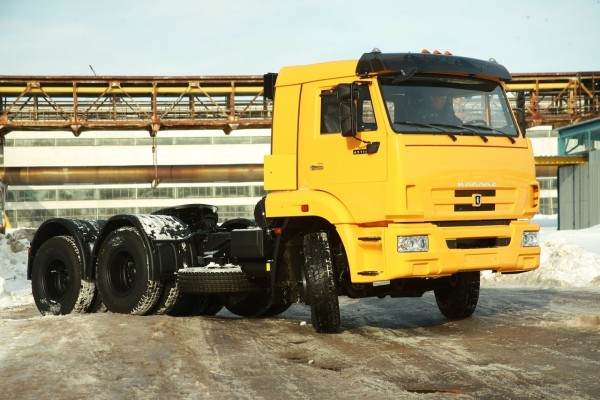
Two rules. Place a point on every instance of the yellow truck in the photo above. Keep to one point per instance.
(391, 175)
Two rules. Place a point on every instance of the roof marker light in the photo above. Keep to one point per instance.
(425, 51)
(436, 52)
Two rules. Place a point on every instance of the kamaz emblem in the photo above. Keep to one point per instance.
(476, 200)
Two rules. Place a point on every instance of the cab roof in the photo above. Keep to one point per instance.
(376, 63)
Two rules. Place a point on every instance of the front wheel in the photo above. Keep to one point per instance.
(56, 282)
(123, 274)
(459, 299)
(321, 290)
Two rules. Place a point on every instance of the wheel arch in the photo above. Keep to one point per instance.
(308, 203)
(84, 231)
(288, 258)
(164, 237)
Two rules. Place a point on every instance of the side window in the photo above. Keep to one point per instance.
(330, 113)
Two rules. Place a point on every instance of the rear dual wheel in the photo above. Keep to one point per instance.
(57, 284)
(123, 274)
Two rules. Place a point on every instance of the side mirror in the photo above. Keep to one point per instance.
(269, 85)
(520, 100)
(520, 112)
(347, 94)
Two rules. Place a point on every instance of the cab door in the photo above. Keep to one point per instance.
(342, 166)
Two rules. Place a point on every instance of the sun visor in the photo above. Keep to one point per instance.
(376, 63)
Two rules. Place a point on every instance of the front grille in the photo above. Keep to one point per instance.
(471, 192)
(479, 222)
(470, 207)
(478, 243)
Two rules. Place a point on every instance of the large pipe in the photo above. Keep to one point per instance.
(36, 176)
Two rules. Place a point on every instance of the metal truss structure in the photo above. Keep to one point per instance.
(560, 98)
(77, 103)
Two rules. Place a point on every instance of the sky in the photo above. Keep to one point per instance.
(248, 37)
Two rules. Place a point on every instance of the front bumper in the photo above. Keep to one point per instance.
(373, 254)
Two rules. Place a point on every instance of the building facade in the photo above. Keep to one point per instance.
(544, 141)
(29, 206)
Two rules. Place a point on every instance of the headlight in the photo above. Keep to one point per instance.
(412, 244)
(530, 239)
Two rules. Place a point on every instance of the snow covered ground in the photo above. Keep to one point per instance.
(569, 259)
(534, 335)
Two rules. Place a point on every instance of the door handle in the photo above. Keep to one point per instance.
(316, 167)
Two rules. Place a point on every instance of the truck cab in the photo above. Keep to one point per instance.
(415, 161)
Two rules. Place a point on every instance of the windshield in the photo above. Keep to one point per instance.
(451, 105)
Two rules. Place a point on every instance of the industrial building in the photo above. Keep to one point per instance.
(29, 205)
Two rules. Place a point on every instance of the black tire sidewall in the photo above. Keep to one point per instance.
(133, 301)
(56, 249)
(459, 300)
(249, 305)
(321, 286)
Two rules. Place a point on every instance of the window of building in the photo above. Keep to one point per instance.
(548, 183)
(548, 206)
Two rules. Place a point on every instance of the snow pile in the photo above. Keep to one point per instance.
(15, 289)
(569, 259)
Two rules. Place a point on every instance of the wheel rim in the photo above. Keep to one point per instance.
(122, 273)
(57, 280)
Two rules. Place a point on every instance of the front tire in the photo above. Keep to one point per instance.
(321, 289)
(123, 274)
(459, 300)
(56, 280)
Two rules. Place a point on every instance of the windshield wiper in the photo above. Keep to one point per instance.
(486, 128)
(466, 128)
(418, 124)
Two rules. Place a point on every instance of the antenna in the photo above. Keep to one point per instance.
(92, 68)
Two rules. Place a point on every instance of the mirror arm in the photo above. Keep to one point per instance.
(520, 112)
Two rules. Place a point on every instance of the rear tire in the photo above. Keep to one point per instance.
(249, 305)
(56, 278)
(254, 305)
(123, 274)
(459, 300)
(167, 300)
(321, 289)
(276, 309)
(189, 305)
